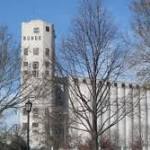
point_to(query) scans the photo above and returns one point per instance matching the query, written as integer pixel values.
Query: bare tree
(56, 118)
(86, 146)
(138, 144)
(15, 84)
(10, 139)
(141, 26)
(108, 144)
(9, 71)
(92, 50)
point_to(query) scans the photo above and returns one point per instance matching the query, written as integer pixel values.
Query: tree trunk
(94, 117)
(94, 135)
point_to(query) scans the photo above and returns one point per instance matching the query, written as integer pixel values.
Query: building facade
(38, 62)
(38, 47)
(128, 105)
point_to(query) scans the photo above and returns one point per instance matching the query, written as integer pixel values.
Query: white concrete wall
(42, 40)
(134, 124)
(137, 120)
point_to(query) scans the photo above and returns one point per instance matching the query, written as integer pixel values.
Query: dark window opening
(84, 81)
(35, 111)
(35, 131)
(25, 72)
(47, 51)
(32, 37)
(35, 65)
(59, 97)
(47, 64)
(24, 126)
(47, 28)
(34, 124)
(25, 51)
(115, 84)
(137, 86)
(130, 86)
(75, 80)
(46, 73)
(35, 73)
(36, 30)
(25, 63)
(24, 111)
(123, 85)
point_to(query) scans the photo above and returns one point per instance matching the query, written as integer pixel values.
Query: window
(123, 85)
(115, 84)
(35, 51)
(47, 28)
(35, 65)
(24, 38)
(35, 73)
(35, 37)
(47, 64)
(25, 72)
(108, 83)
(35, 131)
(84, 80)
(36, 30)
(58, 131)
(35, 111)
(24, 111)
(24, 126)
(32, 37)
(47, 51)
(75, 80)
(58, 93)
(25, 64)
(25, 51)
(130, 86)
(39, 37)
(35, 124)
(46, 73)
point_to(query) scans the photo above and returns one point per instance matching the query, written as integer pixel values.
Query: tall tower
(38, 48)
